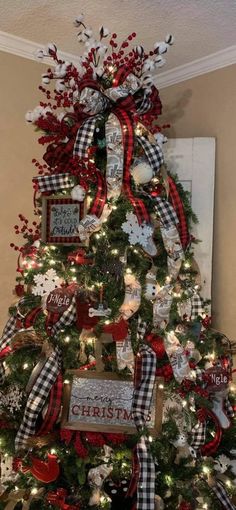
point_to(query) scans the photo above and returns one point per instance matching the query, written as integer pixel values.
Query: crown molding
(223, 58)
(28, 49)
(218, 60)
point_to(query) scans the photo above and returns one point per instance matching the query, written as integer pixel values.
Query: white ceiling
(200, 27)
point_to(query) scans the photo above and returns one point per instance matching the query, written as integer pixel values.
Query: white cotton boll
(139, 50)
(102, 50)
(60, 86)
(148, 66)
(169, 39)
(161, 47)
(79, 19)
(40, 54)
(60, 70)
(78, 193)
(87, 34)
(29, 116)
(159, 61)
(147, 81)
(45, 79)
(141, 172)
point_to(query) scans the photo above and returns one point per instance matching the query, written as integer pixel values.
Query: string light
(161, 386)
(25, 366)
(187, 264)
(66, 381)
(114, 252)
(53, 451)
(206, 470)
(34, 490)
(52, 262)
(67, 339)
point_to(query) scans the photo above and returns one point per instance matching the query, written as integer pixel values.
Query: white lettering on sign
(64, 220)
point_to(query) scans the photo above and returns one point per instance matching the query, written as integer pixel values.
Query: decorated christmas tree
(115, 389)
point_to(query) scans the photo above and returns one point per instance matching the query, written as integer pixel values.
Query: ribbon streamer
(219, 490)
(37, 398)
(142, 397)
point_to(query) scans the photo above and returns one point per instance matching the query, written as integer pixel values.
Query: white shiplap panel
(193, 159)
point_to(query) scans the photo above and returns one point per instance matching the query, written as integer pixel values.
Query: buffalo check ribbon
(220, 492)
(153, 152)
(142, 397)
(37, 398)
(53, 183)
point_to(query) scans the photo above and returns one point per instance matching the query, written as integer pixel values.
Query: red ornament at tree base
(157, 344)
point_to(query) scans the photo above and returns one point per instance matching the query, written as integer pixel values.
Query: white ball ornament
(141, 172)
(78, 193)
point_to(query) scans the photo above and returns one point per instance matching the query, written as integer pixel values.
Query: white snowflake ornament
(12, 399)
(46, 282)
(139, 234)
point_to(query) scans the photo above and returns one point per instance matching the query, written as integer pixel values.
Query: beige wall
(18, 145)
(204, 106)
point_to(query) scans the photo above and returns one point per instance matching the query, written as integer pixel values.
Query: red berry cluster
(166, 372)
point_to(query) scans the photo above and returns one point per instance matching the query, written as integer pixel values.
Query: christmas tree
(115, 389)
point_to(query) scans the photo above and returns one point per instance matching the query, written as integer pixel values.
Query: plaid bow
(142, 397)
(56, 182)
(37, 398)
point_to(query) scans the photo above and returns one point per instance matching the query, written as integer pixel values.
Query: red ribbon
(54, 407)
(178, 206)
(124, 116)
(211, 447)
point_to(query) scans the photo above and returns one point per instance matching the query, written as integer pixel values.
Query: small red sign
(217, 379)
(59, 300)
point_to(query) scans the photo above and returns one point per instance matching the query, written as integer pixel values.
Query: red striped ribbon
(178, 206)
(54, 407)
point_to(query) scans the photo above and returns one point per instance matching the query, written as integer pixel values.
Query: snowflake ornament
(12, 400)
(46, 282)
(139, 234)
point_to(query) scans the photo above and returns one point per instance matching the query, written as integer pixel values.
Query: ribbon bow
(123, 107)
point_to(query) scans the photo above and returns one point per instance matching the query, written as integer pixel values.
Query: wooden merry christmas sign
(102, 402)
(60, 220)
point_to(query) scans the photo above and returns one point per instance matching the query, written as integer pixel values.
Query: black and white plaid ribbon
(196, 306)
(153, 152)
(228, 408)
(37, 398)
(53, 183)
(66, 319)
(221, 494)
(166, 213)
(84, 137)
(142, 397)
(198, 434)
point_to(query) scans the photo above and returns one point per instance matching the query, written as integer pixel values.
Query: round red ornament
(59, 300)
(157, 344)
